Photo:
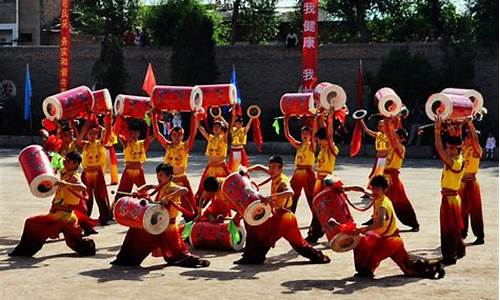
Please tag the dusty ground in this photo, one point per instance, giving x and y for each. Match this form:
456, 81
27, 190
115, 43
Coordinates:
55, 272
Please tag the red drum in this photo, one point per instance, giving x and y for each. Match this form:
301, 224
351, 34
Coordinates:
388, 102
297, 104
449, 107
332, 204
245, 199
71, 104
138, 213
132, 106
473, 95
102, 102
218, 94
329, 96
212, 235
177, 98
37, 170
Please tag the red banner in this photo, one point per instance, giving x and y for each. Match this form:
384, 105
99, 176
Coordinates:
310, 46
65, 47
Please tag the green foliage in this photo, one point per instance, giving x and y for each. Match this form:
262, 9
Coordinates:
193, 51
259, 17
109, 70
222, 31
485, 20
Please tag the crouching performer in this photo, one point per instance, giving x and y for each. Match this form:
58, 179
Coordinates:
138, 243
381, 240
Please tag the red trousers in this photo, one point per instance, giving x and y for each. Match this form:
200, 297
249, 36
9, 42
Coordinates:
397, 194
38, 229
452, 245
282, 224
96, 186
470, 194
187, 199
303, 178
235, 162
373, 249
215, 171
138, 244
130, 176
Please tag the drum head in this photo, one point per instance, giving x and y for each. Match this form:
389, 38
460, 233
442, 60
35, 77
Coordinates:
43, 186
243, 236
342, 242
156, 219
257, 213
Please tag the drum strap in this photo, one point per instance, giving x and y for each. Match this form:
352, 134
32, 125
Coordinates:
356, 208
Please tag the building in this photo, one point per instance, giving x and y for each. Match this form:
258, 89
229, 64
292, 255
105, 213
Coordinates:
25, 22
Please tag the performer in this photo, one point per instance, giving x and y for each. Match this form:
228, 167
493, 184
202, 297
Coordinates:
67, 134
177, 155
61, 217
303, 175
111, 159
216, 152
325, 166
238, 155
93, 177
214, 205
469, 192
381, 146
449, 151
134, 151
281, 224
397, 138
138, 243
381, 240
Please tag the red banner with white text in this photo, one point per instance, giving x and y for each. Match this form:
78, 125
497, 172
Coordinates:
65, 47
310, 46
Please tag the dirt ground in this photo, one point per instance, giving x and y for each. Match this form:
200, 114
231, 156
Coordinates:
55, 272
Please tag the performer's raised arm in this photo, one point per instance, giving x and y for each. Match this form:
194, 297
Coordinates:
288, 136
475, 139
443, 155
192, 131
156, 130
367, 130
393, 138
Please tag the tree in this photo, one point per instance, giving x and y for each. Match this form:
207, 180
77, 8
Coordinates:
485, 18
107, 21
259, 17
193, 51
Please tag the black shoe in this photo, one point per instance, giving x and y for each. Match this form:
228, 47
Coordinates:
322, 260
448, 261
369, 222
312, 240
87, 232
247, 261
478, 241
364, 274
415, 229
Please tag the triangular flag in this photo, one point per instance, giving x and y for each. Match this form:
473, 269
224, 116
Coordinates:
276, 126
149, 81
27, 94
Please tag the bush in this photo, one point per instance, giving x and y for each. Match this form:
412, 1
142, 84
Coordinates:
109, 70
259, 17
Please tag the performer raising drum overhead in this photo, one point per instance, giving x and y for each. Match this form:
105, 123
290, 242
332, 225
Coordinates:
177, 155
238, 155
381, 146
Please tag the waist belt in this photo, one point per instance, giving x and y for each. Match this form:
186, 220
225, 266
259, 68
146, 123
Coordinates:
469, 177
217, 164
172, 221
133, 165
391, 171
92, 169
237, 147
446, 193
303, 167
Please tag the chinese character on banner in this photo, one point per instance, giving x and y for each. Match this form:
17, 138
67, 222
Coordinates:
310, 45
65, 47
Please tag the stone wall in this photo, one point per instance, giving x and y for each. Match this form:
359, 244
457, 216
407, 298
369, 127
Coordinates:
264, 73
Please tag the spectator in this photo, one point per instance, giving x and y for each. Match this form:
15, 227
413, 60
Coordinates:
143, 38
417, 121
291, 40
137, 38
177, 120
491, 145
128, 38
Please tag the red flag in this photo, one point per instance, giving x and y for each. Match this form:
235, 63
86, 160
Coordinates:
257, 134
357, 135
149, 81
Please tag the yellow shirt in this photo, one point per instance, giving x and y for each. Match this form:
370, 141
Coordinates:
113, 139
393, 160
326, 160
238, 136
134, 152
64, 196
177, 155
279, 184
217, 146
168, 189
93, 154
381, 141
389, 224
305, 155
471, 160
452, 177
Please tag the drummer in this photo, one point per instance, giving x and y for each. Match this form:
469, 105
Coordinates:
381, 240
214, 205
138, 243
282, 223
61, 217
134, 151
177, 154
325, 166
216, 152
237, 154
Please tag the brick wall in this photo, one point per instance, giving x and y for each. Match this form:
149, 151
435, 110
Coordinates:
264, 73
